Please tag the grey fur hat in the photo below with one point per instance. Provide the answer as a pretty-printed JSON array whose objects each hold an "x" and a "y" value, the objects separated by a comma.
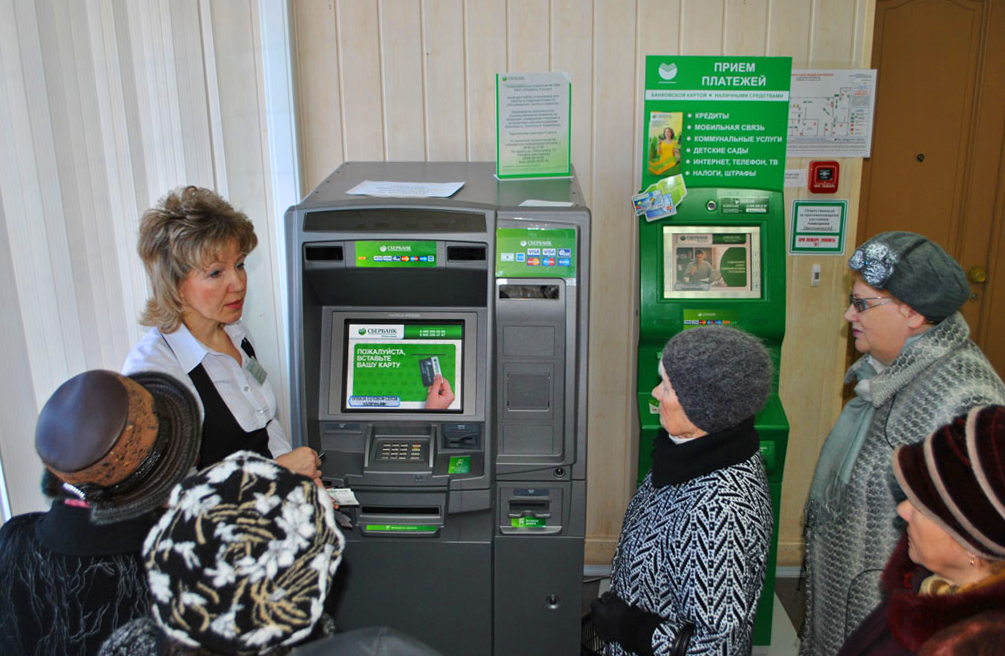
[
  {"x": 720, "y": 375},
  {"x": 914, "y": 269}
]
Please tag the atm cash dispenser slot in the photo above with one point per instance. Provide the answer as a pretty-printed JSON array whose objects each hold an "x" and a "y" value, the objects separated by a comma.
[{"x": 385, "y": 515}]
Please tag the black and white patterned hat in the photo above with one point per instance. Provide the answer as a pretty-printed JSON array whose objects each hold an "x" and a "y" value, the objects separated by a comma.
[{"x": 243, "y": 558}]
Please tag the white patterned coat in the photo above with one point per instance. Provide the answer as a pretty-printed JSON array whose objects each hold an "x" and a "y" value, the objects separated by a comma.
[{"x": 696, "y": 552}]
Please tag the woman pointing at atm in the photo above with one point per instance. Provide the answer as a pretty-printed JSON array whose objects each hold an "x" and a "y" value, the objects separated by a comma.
[{"x": 193, "y": 244}]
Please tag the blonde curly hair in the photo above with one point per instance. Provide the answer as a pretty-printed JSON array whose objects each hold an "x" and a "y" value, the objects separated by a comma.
[{"x": 186, "y": 230}]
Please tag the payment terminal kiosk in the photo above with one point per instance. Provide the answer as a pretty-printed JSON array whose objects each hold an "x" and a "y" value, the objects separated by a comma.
[
  {"x": 719, "y": 260},
  {"x": 470, "y": 523}
]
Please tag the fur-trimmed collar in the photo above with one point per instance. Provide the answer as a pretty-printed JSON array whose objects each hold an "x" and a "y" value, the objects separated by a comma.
[{"x": 914, "y": 618}]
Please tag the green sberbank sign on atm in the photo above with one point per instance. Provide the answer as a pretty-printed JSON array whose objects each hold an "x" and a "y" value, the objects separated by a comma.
[{"x": 396, "y": 253}]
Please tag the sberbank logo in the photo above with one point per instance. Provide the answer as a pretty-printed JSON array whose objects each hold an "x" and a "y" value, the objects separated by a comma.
[
  {"x": 668, "y": 71},
  {"x": 398, "y": 249},
  {"x": 362, "y": 331}
]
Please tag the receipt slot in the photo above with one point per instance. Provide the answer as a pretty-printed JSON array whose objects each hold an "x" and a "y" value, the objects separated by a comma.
[{"x": 469, "y": 532}]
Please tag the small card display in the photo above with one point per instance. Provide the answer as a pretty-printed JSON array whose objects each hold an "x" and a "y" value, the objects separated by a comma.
[{"x": 430, "y": 369}]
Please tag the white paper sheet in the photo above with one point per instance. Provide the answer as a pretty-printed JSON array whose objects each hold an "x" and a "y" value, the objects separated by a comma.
[{"x": 394, "y": 189}]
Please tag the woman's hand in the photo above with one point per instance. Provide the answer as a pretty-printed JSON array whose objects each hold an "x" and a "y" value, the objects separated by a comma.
[
  {"x": 303, "y": 460},
  {"x": 440, "y": 395}
]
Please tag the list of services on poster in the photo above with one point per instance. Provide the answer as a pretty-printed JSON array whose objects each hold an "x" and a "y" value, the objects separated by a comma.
[
  {"x": 533, "y": 124},
  {"x": 716, "y": 121}
]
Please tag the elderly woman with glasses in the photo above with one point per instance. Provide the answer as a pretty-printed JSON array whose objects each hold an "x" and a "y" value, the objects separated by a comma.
[{"x": 918, "y": 371}]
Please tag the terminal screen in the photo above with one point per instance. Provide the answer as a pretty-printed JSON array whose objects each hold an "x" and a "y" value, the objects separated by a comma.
[
  {"x": 391, "y": 366},
  {"x": 711, "y": 262}
]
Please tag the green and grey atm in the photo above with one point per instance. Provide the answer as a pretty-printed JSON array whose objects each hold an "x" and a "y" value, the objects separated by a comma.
[
  {"x": 712, "y": 248},
  {"x": 470, "y": 528}
]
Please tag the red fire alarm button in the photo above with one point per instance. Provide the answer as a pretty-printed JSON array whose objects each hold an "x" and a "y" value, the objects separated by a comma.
[{"x": 823, "y": 177}]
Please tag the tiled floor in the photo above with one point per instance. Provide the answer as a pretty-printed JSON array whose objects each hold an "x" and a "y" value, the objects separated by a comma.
[{"x": 787, "y": 616}]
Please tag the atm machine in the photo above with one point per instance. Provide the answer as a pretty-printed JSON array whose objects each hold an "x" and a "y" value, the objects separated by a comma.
[
  {"x": 470, "y": 528},
  {"x": 741, "y": 232}
]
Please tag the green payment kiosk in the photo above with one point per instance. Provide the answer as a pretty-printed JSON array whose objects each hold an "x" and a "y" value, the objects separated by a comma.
[{"x": 712, "y": 243}]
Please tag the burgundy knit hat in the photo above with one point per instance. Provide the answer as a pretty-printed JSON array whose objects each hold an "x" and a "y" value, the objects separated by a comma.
[{"x": 956, "y": 477}]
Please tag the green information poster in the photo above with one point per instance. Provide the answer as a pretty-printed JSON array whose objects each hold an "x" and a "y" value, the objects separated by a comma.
[
  {"x": 715, "y": 121},
  {"x": 531, "y": 253}
]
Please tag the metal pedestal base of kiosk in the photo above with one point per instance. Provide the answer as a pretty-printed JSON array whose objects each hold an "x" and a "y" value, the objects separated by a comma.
[{"x": 471, "y": 525}]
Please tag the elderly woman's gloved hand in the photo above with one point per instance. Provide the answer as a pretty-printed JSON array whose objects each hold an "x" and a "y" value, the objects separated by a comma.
[{"x": 617, "y": 621}]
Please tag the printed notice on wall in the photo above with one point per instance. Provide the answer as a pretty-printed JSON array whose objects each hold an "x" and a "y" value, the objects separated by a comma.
[
  {"x": 830, "y": 113},
  {"x": 532, "y": 125},
  {"x": 818, "y": 227}
]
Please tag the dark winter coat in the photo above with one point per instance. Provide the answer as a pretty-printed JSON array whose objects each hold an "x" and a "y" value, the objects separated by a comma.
[
  {"x": 67, "y": 582},
  {"x": 907, "y": 623}
]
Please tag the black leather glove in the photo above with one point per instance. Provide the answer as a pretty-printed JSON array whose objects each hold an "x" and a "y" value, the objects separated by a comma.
[{"x": 617, "y": 621}]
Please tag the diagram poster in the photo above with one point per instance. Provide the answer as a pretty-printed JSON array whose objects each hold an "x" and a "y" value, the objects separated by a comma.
[
  {"x": 533, "y": 123},
  {"x": 716, "y": 121},
  {"x": 831, "y": 112}
]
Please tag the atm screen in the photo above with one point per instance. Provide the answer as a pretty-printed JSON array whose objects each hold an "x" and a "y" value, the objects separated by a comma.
[
  {"x": 711, "y": 262},
  {"x": 390, "y": 366}
]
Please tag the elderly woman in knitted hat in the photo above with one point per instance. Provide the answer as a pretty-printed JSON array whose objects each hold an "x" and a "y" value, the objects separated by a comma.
[
  {"x": 944, "y": 586},
  {"x": 918, "y": 371},
  {"x": 690, "y": 563}
]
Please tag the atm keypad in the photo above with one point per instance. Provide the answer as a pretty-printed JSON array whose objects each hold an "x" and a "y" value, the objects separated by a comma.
[{"x": 402, "y": 451}]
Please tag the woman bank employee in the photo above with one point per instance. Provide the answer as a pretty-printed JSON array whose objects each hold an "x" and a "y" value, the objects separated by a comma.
[{"x": 193, "y": 245}]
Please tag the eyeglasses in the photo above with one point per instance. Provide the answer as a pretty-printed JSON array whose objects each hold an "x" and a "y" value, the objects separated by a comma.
[{"x": 861, "y": 304}]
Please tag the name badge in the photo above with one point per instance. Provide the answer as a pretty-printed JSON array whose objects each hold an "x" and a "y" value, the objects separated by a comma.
[{"x": 256, "y": 370}]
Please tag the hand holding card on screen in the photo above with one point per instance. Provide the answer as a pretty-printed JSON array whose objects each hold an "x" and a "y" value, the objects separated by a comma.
[{"x": 440, "y": 394}]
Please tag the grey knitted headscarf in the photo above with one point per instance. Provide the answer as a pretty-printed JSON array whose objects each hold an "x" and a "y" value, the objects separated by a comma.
[
  {"x": 720, "y": 375},
  {"x": 914, "y": 269}
]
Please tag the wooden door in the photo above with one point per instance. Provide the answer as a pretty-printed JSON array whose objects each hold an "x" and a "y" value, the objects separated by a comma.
[{"x": 938, "y": 151}]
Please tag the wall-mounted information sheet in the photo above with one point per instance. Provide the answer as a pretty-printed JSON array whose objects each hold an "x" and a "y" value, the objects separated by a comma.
[{"x": 830, "y": 113}]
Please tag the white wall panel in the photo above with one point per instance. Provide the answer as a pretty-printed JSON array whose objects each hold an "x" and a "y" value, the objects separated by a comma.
[
  {"x": 572, "y": 53},
  {"x": 702, "y": 23},
  {"x": 443, "y": 51},
  {"x": 359, "y": 59},
  {"x": 529, "y": 30},
  {"x": 319, "y": 98},
  {"x": 485, "y": 52},
  {"x": 401, "y": 43},
  {"x": 612, "y": 305}
]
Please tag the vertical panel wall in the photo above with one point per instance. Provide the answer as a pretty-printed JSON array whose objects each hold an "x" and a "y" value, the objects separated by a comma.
[
  {"x": 603, "y": 46},
  {"x": 104, "y": 106},
  {"x": 109, "y": 103}
]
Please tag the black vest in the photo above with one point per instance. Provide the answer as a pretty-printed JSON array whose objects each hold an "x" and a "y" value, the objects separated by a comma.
[{"x": 221, "y": 434}]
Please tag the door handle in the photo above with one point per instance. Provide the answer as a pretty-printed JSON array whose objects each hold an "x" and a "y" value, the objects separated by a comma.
[{"x": 977, "y": 274}]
